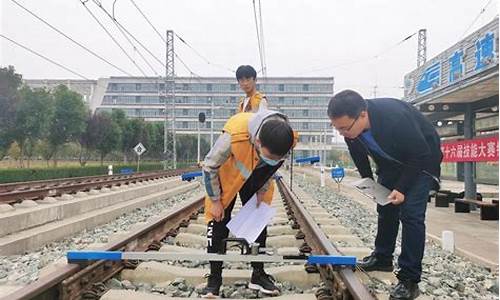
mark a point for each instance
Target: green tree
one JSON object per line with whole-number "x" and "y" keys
{"x": 135, "y": 132}
{"x": 68, "y": 122}
{"x": 120, "y": 118}
{"x": 10, "y": 82}
{"x": 187, "y": 147}
{"x": 155, "y": 143}
{"x": 32, "y": 116}
{"x": 88, "y": 139}
{"x": 107, "y": 134}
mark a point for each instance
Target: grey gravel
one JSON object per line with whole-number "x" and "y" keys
{"x": 444, "y": 274}
{"x": 24, "y": 269}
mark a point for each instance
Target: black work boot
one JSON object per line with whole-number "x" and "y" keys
{"x": 405, "y": 290}
{"x": 211, "y": 291}
{"x": 374, "y": 263}
{"x": 264, "y": 283}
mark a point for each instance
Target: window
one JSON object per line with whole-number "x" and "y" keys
{"x": 281, "y": 87}
{"x": 305, "y": 125}
{"x": 138, "y": 86}
{"x": 209, "y": 87}
{"x": 162, "y": 86}
{"x": 137, "y": 99}
{"x": 305, "y": 113}
{"x": 184, "y": 124}
{"x": 113, "y": 86}
{"x": 257, "y": 87}
{"x": 233, "y": 87}
{"x": 184, "y": 112}
{"x": 114, "y": 99}
{"x": 137, "y": 112}
{"x": 305, "y": 87}
{"x": 185, "y": 87}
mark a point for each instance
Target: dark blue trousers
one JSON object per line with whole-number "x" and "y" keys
{"x": 411, "y": 214}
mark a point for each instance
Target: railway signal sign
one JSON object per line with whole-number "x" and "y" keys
{"x": 139, "y": 149}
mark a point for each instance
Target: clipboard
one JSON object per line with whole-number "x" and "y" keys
{"x": 372, "y": 190}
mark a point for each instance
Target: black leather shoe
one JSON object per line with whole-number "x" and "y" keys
{"x": 405, "y": 290}
{"x": 372, "y": 263}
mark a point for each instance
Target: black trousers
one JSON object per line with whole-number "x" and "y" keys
{"x": 217, "y": 231}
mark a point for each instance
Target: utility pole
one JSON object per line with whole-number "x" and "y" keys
{"x": 422, "y": 47}
{"x": 169, "y": 150}
{"x": 162, "y": 97}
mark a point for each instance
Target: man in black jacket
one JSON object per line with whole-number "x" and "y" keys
{"x": 406, "y": 150}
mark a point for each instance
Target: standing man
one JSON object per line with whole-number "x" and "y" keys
{"x": 406, "y": 150}
{"x": 251, "y": 148}
{"x": 247, "y": 79}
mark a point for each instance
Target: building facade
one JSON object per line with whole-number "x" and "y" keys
{"x": 83, "y": 87}
{"x": 303, "y": 99}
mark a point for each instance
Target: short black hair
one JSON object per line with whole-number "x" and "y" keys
{"x": 346, "y": 103}
{"x": 246, "y": 72}
{"x": 276, "y": 136}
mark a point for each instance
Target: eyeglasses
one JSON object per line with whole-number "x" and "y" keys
{"x": 350, "y": 127}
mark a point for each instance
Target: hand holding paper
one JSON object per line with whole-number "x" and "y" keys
{"x": 251, "y": 220}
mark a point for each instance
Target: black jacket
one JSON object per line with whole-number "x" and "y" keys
{"x": 406, "y": 136}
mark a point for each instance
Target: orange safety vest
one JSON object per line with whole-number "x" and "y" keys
{"x": 254, "y": 102}
{"x": 240, "y": 164}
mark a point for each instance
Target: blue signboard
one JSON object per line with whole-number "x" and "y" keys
{"x": 430, "y": 79}
{"x": 338, "y": 174}
{"x": 473, "y": 55}
{"x": 456, "y": 62}
{"x": 485, "y": 50}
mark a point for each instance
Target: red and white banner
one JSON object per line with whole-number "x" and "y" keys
{"x": 479, "y": 149}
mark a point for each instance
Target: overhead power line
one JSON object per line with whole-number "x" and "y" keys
{"x": 476, "y": 18}
{"x": 203, "y": 57}
{"x": 262, "y": 39}
{"x": 71, "y": 39}
{"x": 149, "y": 22}
{"x": 365, "y": 59}
{"x": 128, "y": 39}
{"x": 128, "y": 33}
{"x": 83, "y": 2}
{"x": 44, "y": 57}
{"x": 259, "y": 43}
{"x": 163, "y": 38}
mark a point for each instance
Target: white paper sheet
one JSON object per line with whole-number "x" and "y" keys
{"x": 250, "y": 220}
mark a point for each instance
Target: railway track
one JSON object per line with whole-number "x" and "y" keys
{"x": 313, "y": 232}
{"x": 11, "y": 193}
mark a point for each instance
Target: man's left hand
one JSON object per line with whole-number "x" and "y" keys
{"x": 396, "y": 197}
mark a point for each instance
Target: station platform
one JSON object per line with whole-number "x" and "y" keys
{"x": 474, "y": 239}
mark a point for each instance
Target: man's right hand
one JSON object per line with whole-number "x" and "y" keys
{"x": 217, "y": 210}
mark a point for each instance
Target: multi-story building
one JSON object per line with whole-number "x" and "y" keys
{"x": 83, "y": 87}
{"x": 303, "y": 99}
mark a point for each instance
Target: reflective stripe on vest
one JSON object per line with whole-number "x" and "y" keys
{"x": 243, "y": 170}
